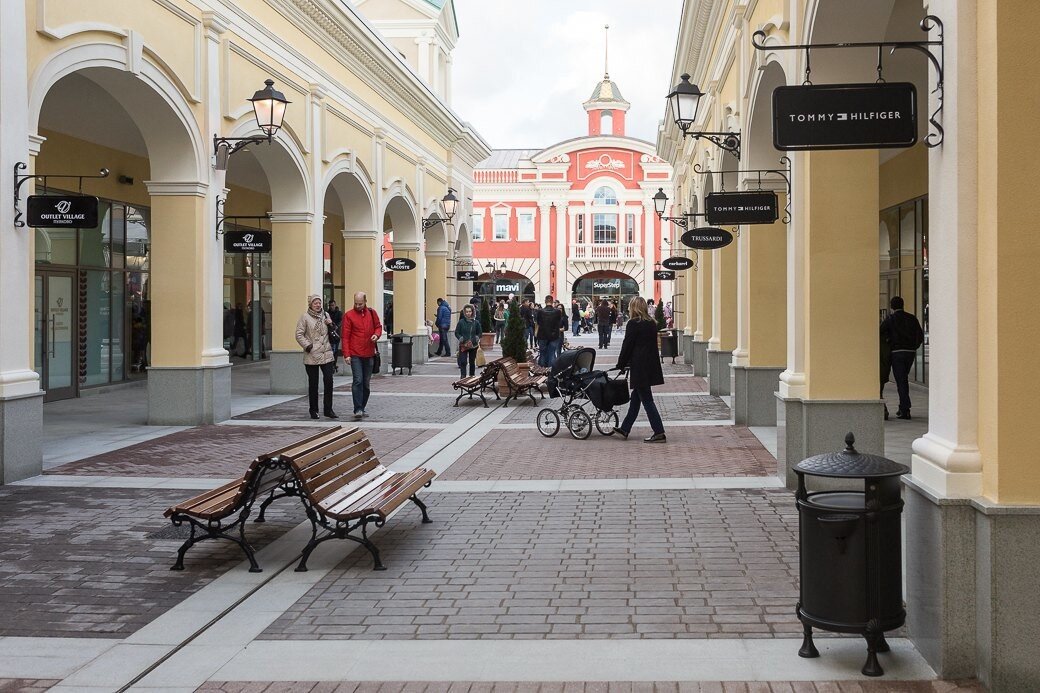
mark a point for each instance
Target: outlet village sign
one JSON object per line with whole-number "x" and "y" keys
{"x": 845, "y": 116}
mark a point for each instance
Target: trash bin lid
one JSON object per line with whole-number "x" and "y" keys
{"x": 841, "y": 500}
{"x": 850, "y": 464}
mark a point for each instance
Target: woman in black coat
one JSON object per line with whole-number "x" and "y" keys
{"x": 640, "y": 356}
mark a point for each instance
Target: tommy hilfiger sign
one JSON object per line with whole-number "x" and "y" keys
{"x": 845, "y": 116}
{"x": 755, "y": 207}
{"x": 247, "y": 241}
{"x": 67, "y": 211}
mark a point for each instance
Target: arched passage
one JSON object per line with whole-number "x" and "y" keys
{"x": 503, "y": 284}
{"x": 350, "y": 239}
{"x": 400, "y": 223}
{"x": 605, "y": 284}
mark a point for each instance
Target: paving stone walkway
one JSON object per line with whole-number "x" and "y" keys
{"x": 396, "y": 407}
{"x": 601, "y": 687}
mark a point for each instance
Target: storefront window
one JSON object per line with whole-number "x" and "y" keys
{"x": 903, "y": 246}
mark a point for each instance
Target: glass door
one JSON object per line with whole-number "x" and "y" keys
{"x": 55, "y": 343}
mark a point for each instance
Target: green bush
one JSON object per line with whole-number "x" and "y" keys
{"x": 514, "y": 343}
{"x": 659, "y": 316}
{"x": 485, "y": 317}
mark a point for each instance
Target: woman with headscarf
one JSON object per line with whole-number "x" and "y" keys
{"x": 639, "y": 355}
{"x": 312, "y": 334}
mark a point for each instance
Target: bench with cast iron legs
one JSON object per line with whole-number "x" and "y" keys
{"x": 221, "y": 513}
{"x": 478, "y": 384}
{"x": 345, "y": 489}
{"x": 519, "y": 383}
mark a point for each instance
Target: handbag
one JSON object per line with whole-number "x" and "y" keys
{"x": 480, "y": 361}
{"x": 377, "y": 361}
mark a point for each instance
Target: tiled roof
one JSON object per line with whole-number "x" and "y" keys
{"x": 606, "y": 92}
{"x": 507, "y": 158}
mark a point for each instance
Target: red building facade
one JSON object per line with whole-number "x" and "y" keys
{"x": 573, "y": 219}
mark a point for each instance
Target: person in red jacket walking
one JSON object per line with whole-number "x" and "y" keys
{"x": 360, "y": 331}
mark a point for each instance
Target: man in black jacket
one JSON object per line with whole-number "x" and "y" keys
{"x": 904, "y": 335}
{"x": 548, "y": 321}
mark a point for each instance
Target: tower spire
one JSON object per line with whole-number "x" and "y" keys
{"x": 606, "y": 51}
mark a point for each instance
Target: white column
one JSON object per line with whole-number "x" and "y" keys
{"x": 544, "y": 256}
{"x": 792, "y": 380}
{"x": 379, "y": 172}
{"x": 563, "y": 230}
{"x": 650, "y": 241}
{"x": 213, "y": 351}
{"x": 423, "y": 65}
{"x": 947, "y": 459}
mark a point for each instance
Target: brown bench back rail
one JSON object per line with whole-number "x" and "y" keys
{"x": 217, "y": 513}
{"x": 518, "y": 382}
{"x": 345, "y": 488}
{"x": 477, "y": 384}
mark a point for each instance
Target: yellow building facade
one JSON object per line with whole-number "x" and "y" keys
{"x": 368, "y": 147}
{"x": 788, "y": 315}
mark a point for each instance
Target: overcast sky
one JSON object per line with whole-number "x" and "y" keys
{"x": 522, "y": 68}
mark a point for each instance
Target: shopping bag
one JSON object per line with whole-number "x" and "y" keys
{"x": 480, "y": 360}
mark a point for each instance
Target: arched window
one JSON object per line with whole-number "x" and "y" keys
{"x": 606, "y": 123}
{"x": 605, "y": 195}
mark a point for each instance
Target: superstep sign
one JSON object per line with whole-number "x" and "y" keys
{"x": 845, "y": 116}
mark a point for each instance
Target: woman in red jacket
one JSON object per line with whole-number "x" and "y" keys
{"x": 360, "y": 331}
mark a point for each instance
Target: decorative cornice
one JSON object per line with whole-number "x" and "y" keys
{"x": 176, "y": 188}
{"x": 291, "y": 217}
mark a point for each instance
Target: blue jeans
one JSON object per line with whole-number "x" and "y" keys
{"x": 443, "y": 346}
{"x": 548, "y": 350}
{"x": 576, "y": 324}
{"x": 529, "y": 334}
{"x": 642, "y": 395}
{"x": 361, "y": 369}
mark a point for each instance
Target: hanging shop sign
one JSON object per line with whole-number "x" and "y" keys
{"x": 62, "y": 211}
{"x": 466, "y": 275}
{"x": 707, "y": 238}
{"x": 606, "y": 284}
{"x": 400, "y": 264}
{"x": 253, "y": 241}
{"x": 663, "y": 275}
{"x": 677, "y": 263}
{"x": 845, "y": 116}
{"x": 749, "y": 207}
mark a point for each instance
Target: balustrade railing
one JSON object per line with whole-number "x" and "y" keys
{"x": 605, "y": 251}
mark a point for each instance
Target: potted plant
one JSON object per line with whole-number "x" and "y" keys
{"x": 487, "y": 336}
{"x": 514, "y": 341}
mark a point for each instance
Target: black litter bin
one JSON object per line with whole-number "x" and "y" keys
{"x": 851, "y": 551}
{"x": 401, "y": 353}
{"x": 669, "y": 344}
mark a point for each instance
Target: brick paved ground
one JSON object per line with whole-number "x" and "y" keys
{"x": 616, "y": 564}
{"x": 694, "y": 408}
{"x": 692, "y": 451}
{"x": 409, "y": 383}
{"x": 601, "y": 687}
{"x": 417, "y": 409}
{"x": 684, "y": 384}
{"x": 82, "y": 563}
{"x": 223, "y": 451}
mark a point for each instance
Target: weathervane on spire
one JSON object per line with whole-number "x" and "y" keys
{"x": 606, "y": 52}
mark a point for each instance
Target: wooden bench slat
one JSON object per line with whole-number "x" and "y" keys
{"x": 346, "y": 496}
{"x": 384, "y": 500}
{"x": 307, "y": 474}
{"x": 299, "y": 443}
{"x": 342, "y": 476}
{"x": 207, "y": 503}
{"x": 305, "y": 454}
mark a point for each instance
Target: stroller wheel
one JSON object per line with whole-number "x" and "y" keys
{"x": 606, "y": 422}
{"x": 548, "y": 422}
{"x": 579, "y": 424}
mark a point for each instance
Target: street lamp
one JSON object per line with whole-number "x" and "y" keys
{"x": 450, "y": 205}
{"x": 269, "y": 109}
{"x": 661, "y": 204}
{"x": 684, "y": 99}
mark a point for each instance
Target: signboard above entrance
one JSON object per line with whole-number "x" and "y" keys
{"x": 707, "y": 238}
{"x": 606, "y": 284}
{"x": 466, "y": 275}
{"x": 663, "y": 275}
{"x": 845, "y": 116}
{"x": 62, "y": 211}
{"x": 677, "y": 263}
{"x": 400, "y": 264}
{"x": 507, "y": 287}
{"x": 253, "y": 241}
{"x": 752, "y": 207}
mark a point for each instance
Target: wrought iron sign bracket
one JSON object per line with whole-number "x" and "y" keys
{"x": 683, "y": 222}
{"x": 429, "y": 222}
{"x": 784, "y": 173}
{"x": 234, "y": 144}
{"x": 728, "y": 141}
{"x": 928, "y": 48}
{"x": 21, "y": 178}
{"x": 221, "y": 217}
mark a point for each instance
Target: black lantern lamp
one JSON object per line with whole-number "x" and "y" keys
{"x": 269, "y": 108}
{"x": 661, "y": 204}
{"x": 450, "y": 205}
{"x": 685, "y": 99}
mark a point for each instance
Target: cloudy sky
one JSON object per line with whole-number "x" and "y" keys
{"x": 522, "y": 68}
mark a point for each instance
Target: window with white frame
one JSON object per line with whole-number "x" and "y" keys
{"x": 605, "y": 195}
{"x": 604, "y": 228}
{"x": 630, "y": 228}
{"x": 525, "y": 226}
{"x": 478, "y": 226}
{"x": 501, "y": 227}
{"x": 579, "y": 229}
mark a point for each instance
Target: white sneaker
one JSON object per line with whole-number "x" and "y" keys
{"x": 364, "y": 413}
{"x": 357, "y": 416}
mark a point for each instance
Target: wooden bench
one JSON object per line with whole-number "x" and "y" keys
{"x": 345, "y": 488}
{"x": 217, "y": 513}
{"x": 519, "y": 383}
{"x": 478, "y": 384}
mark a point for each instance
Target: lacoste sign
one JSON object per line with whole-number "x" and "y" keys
{"x": 845, "y": 116}
{"x": 252, "y": 241}
{"x": 400, "y": 264}
{"x": 62, "y": 211}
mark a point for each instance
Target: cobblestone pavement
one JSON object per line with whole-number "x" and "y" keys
{"x": 417, "y": 409}
{"x": 427, "y": 383}
{"x": 83, "y": 562}
{"x": 693, "y": 408}
{"x": 605, "y": 564}
{"x": 223, "y": 452}
{"x": 693, "y": 451}
{"x": 601, "y": 687}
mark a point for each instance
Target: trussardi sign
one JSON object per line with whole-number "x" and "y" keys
{"x": 845, "y": 116}
{"x": 706, "y": 238}
{"x": 62, "y": 211}
{"x": 756, "y": 207}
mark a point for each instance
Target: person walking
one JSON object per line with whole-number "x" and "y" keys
{"x": 547, "y": 325}
{"x": 613, "y": 320}
{"x": 468, "y": 333}
{"x": 575, "y": 316}
{"x": 361, "y": 330}
{"x": 475, "y": 301}
{"x": 443, "y": 323}
{"x": 500, "y": 320}
{"x": 603, "y": 323}
{"x": 334, "y": 334}
{"x": 312, "y": 334}
{"x": 639, "y": 355}
{"x": 904, "y": 335}
{"x": 527, "y": 315}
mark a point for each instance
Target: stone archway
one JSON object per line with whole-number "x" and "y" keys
{"x": 351, "y": 231}
{"x": 409, "y": 314}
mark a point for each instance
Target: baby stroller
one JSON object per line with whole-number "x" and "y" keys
{"x": 574, "y": 380}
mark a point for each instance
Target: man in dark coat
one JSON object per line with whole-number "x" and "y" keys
{"x": 603, "y": 323}
{"x": 548, "y": 321}
{"x": 639, "y": 354}
{"x": 904, "y": 335}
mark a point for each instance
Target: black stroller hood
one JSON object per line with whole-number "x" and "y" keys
{"x": 574, "y": 362}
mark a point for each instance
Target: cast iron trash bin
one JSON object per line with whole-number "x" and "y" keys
{"x": 669, "y": 344}
{"x": 401, "y": 353}
{"x": 851, "y": 551}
